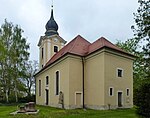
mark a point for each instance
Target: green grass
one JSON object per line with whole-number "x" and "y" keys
{"x": 49, "y": 112}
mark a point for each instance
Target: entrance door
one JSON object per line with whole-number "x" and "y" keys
{"x": 47, "y": 96}
{"x": 119, "y": 99}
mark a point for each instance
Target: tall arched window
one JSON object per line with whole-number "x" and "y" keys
{"x": 42, "y": 53}
{"x": 39, "y": 87}
{"x": 57, "y": 82}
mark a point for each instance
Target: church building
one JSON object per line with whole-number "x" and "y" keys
{"x": 82, "y": 74}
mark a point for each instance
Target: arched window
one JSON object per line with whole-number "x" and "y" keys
{"x": 55, "y": 49}
{"x": 42, "y": 53}
{"x": 57, "y": 82}
{"x": 47, "y": 80}
{"x": 39, "y": 87}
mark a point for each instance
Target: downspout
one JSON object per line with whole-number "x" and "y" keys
{"x": 83, "y": 77}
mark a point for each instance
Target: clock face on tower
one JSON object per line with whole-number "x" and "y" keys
{"x": 55, "y": 40}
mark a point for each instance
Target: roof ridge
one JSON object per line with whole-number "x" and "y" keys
{"x": 78, "y": 50}
{"x": 103, "y": 41}
{"x": 75, "y": 40}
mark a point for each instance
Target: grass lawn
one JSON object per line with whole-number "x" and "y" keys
{"x": 49, "y": 112}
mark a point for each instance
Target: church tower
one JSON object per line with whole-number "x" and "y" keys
{"x": 51, "y": 43}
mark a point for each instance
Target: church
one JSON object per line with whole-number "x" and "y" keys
{"x": 81, "y": 74}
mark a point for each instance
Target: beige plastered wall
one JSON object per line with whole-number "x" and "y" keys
{"x": 48, "y": 44}
{"x": 75, "y": 80}
{"x": 94, "y": 81}
{"x": 63, "y": 68}
{"x": 113, "y": 61}
{"x": 70, "y": 68}
{"x": 100, "y": 74}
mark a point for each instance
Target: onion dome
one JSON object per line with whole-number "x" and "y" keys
{"x": 51, "y": 26}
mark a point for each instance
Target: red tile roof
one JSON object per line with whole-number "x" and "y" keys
{"x": 80, "y": 46}
{"x": 100, "y": 43}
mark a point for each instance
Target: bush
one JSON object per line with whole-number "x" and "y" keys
{"x": 142, "y": 99}
{"x": 27, "y": 99}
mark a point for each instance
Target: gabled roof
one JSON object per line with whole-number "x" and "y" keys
{"x": 100, "y": 43}
{"x": 78, "y": 46}
{"x": 81, "y": 47}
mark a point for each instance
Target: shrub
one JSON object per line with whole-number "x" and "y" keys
{"x": 142, "y": 99}
{"x": 27, "y": 99}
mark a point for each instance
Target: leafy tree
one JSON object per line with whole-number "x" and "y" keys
{"x": 14, "y": 53}
{"x": 142, "y": 99}
{"x": 142, "y": 20}
{"x": 142, "y": 32}
{"x": 29, "y": 80}
{"x": 5, "y": 39}
{"x": 19, "y": 50}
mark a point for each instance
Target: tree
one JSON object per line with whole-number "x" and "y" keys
{"x": 5, "y": 39}
{"x": 13, "y": 55}
{"x": 142, "y": 20}
{"x": 29, "y": 80}
{"x": 19, "y": 53}
{"x": 142, "y": 32}
{"x": 142, "y": 99}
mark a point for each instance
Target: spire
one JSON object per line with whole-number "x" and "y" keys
{"x": 51, "y": 25}
{"x": 52, "y": 16}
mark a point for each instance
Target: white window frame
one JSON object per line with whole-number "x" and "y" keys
{"x": 55, "y": 83}
{"x": 46, "y": 80}
{"x": 112, "y": 91}
{"x": 128, "y": 91}
{"x": 40, "y": 87}
{"x": 117, "y": 72}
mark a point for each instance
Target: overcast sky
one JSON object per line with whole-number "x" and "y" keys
{"x": 91, "y": 19}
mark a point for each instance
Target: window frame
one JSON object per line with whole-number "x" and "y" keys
{"x": 42, "y": 53}
{"x": 55, "y": 49}
{"x": 117, "y": 73}
{"x": 40, "y": 87}
{"x": 47, "y": 80}
{"x": 57, "y": 82}
{"x": 112, "y": 92}
{"x": 127, "y": 92}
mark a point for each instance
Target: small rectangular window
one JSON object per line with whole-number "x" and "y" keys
{"x": 55, "y": 49}
{"x": 47, "y": 80}
{"x": 128, "y": 92}
{"x": 39, "y": 87}
{"x": 110, "y": 91}
{"x": 119, "y": 72}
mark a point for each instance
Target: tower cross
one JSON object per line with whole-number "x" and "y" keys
{"x": 52, "y": 3}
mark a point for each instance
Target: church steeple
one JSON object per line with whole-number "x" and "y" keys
{"x": 51, "y": 25}
{"x": 51, "y": 43}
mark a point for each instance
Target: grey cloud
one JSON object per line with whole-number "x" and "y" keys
{"x": 89, "y": 18}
